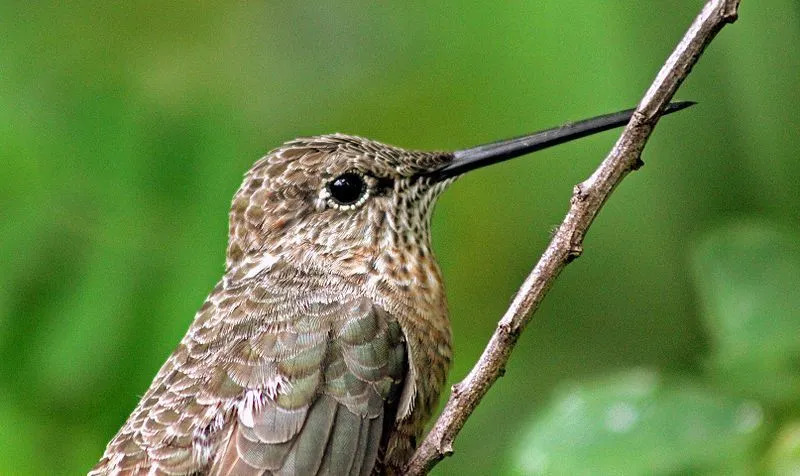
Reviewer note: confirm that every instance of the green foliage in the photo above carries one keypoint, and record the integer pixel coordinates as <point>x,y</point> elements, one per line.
<point>747,279</point>
<point>125,129</point>
<point>636,423</point>
<point>784,456</point>
<point>640,423</point>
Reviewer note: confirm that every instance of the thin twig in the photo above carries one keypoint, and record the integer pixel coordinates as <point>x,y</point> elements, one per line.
<point>566,245</point>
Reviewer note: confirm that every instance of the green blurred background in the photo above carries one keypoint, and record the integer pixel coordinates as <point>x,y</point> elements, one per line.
<point>672,346</point>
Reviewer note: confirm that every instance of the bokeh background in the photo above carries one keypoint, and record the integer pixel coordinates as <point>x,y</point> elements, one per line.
<point>672,346</point>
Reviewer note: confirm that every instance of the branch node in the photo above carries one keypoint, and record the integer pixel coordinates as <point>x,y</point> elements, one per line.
<point>730,12</point>
<point>446,449</point>
<point>579,193</point>
<point>508,329</point>
<point>640,117</point>
<point>574,252</point>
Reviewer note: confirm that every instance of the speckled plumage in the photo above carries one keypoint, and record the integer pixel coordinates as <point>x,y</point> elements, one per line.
<point>324,347</point>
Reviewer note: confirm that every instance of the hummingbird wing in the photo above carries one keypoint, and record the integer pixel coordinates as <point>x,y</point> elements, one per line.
<point>268,381</point>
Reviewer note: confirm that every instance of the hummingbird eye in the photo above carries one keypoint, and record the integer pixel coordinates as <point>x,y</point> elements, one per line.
<point>348,189</point>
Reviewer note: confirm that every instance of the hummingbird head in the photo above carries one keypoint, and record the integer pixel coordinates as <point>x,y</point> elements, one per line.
<point>335,201</point>
<point>340,204</point>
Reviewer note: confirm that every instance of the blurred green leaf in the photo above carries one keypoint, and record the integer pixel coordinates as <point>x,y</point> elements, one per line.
<point>783,458</point>
<point>747,276</point>
<point>637,423</point>
<point>20,439</point>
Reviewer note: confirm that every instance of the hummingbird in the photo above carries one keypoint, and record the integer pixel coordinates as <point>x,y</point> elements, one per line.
<point>325,346</point>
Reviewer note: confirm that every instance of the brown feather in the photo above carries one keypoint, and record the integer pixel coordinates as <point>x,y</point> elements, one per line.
<point>325,345</point>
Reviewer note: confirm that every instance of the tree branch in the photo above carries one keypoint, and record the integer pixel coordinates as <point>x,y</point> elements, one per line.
<point>567,243</point>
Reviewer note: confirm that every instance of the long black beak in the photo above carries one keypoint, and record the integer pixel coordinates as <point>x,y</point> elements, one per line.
<point>487,154</point>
